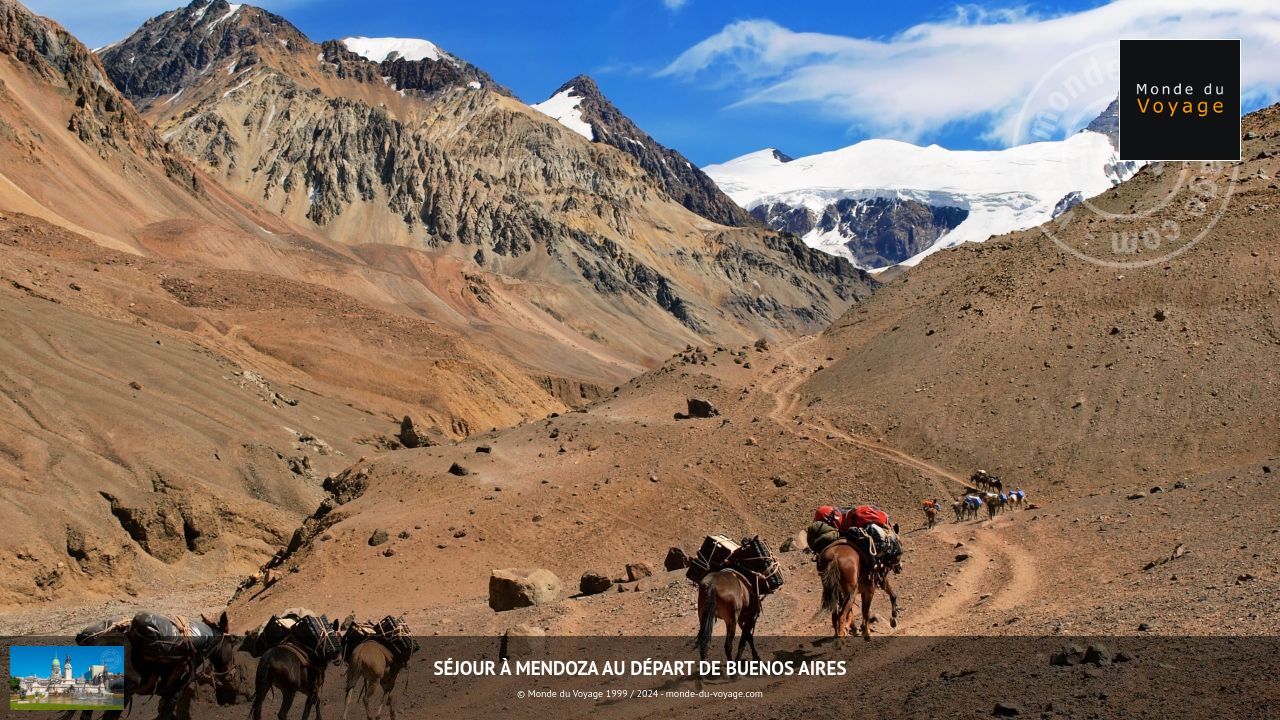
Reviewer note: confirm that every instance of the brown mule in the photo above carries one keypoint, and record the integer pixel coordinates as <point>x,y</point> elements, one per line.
<point>846,572</point>
<point>291,669</point>
<point>372,663</point>
<point>930,516</point>
<point>725,595</point>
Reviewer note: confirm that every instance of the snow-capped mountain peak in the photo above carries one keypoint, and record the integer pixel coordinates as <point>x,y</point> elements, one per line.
<point>887,202</point>
<point>388,48</point>
<point>580,106</point>
<point>564,107</point>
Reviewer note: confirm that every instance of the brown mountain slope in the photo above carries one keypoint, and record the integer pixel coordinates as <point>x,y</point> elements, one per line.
<point>77,154</point>
<point>198,456</point>
<point>192,395</point>
<point>1017,357</point>
<point>1080,417</point>
<point>74,147</point>
<point>581,232</point>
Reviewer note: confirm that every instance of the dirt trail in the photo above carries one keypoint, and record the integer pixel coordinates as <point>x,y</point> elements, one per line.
<point>997,566</point>
<point>787,401</point>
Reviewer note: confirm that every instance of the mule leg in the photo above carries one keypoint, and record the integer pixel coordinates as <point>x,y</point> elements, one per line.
<point>352,680</point>
<point>749,634</point>
<point>368,702</point>
<point>286,700</point>
<point>255,713</point>
<point>844,617</point>
<point>182,704</point>
<point>893,602</point>
<point>866,591</point>
<point>730,629</point>
<point>388,696</point>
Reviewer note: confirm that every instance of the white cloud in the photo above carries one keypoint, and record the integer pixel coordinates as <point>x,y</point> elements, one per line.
<point>674,5</point>
<point>980,66</point>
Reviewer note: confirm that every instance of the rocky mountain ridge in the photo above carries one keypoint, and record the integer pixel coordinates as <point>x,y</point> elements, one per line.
<point>576,233</point>
<point>681,179</point>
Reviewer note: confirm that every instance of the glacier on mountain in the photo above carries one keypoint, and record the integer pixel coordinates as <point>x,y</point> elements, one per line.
<point>996,191</point>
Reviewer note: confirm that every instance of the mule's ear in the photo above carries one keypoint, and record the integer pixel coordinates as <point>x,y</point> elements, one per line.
<point>223,623</point>
<point>895,528</point>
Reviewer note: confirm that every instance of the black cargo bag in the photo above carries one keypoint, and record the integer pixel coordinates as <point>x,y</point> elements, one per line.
<point>755,557</point>
<point>316,636</point>
<point>713,555</point>
<point>393,632</point>
<point>160,639</point>
<point>274,632</point>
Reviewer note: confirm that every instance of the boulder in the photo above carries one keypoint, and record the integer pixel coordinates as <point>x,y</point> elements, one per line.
<point>378,537</point>
<point>1069,655</point>
<point>524,641</point>
<point>594,583</point>
<point>1097,654</point>
<point>456,469</point>
<point>512,588</point>
<point>677,559</point>
<point>701,409</point>
<point>635,571</point>
<point>409,435</point>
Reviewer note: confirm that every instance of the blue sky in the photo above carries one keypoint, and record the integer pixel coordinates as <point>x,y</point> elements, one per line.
<point>27,660</point>
<point>717,79</point>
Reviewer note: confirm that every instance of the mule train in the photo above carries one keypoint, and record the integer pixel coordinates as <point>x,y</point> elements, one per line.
<point>170,655</point>
<point>971,505</point>
<point>856,551</point>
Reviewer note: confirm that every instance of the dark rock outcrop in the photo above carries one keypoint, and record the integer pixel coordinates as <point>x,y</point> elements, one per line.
<point>677,559</point>
<point>1108,123</point>
<point>881,231</point>
<point>409,435</point>
<point>594,583</point>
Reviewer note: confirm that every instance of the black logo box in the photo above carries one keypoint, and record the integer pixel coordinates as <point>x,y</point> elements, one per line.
<point>1186,69</point>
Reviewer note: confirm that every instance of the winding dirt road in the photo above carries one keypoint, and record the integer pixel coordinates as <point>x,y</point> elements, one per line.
<point>999,572</point>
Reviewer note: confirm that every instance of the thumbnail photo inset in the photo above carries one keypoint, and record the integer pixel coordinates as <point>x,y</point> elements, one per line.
<point>66,677</point>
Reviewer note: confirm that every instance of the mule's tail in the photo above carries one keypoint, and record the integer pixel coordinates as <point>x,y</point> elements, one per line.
<point>707,624</point>
<point>833,595</point>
